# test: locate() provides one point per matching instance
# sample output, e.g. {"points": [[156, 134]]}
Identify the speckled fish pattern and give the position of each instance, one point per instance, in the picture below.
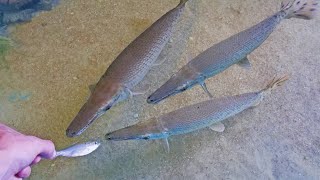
{"points": [[187, 119], [127, 70], [193, 117], [131, 66]]}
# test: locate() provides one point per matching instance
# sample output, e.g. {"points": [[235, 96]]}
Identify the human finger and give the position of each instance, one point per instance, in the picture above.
{"points": [[24, 173], [36, 160], [42, 148], [46, 149], [15, 178]]}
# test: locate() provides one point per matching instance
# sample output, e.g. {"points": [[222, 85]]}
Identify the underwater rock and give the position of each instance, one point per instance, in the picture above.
{"points": [[17, 11], [19, 5]]}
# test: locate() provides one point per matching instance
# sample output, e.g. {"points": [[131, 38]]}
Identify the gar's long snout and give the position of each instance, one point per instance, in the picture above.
{"points": [[179, 82], [150, 129], [86, 116], [104, 96]]}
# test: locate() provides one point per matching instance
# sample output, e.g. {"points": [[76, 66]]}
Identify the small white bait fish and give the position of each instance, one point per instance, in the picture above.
{"points": [[77, 150]]}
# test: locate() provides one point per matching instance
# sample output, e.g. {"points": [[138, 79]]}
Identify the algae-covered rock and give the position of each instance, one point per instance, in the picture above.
{"points": [[17, 11]]}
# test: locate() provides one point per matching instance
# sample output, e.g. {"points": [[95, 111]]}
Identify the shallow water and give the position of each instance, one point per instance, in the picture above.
{"points": [[61, 52]]}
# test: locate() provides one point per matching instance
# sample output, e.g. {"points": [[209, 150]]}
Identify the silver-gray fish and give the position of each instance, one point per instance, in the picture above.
{"points": [[233, 50], [191, 118], [126, 71], [77, 150]]}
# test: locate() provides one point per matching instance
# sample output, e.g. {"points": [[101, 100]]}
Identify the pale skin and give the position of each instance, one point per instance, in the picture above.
{"points": [[19, 152]]}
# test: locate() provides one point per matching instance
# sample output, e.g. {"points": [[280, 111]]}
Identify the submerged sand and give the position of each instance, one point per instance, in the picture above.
{"points": [[45, 78]]}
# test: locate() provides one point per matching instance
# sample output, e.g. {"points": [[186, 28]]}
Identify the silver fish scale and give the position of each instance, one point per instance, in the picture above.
{"points": [[135, 61], [206, 113], [232, 50]]}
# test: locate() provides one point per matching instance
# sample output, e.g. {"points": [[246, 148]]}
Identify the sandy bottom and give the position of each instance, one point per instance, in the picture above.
{"points": [[44, 81]]}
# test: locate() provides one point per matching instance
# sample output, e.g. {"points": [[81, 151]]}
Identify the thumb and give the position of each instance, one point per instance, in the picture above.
{"points": [[46, 149]]}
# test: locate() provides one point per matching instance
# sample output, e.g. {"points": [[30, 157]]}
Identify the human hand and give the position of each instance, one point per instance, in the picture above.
{"points": [[19, 152]]}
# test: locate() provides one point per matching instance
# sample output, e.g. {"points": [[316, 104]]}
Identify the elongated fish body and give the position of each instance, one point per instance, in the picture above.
{"points": [[135, 61], [231, 51], [193, 117], [126, 71], [187, 119]]}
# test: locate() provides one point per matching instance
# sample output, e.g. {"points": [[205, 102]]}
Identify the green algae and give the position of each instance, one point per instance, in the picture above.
{"points": [[5, 45]]}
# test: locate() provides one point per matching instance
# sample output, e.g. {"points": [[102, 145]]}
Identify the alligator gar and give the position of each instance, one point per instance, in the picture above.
{"points": [[233, 50], [194, 117], [126, 71]]}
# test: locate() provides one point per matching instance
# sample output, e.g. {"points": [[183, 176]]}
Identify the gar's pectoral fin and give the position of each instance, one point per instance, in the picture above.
{"points": [[166, 145], [91, 87], [218, 127], [204, 87], [244, 63], [137, 92], [159, 62]]}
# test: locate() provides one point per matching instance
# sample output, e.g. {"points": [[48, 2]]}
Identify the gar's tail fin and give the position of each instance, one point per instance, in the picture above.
{"points": [[275, 83], [303, 9]]}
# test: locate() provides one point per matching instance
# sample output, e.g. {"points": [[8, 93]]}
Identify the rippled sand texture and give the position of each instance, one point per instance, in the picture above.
{"points": [[60, 53]]}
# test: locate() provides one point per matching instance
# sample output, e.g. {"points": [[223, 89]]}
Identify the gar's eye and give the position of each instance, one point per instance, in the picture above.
{"points": [[107, 108], [183, 87]]}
